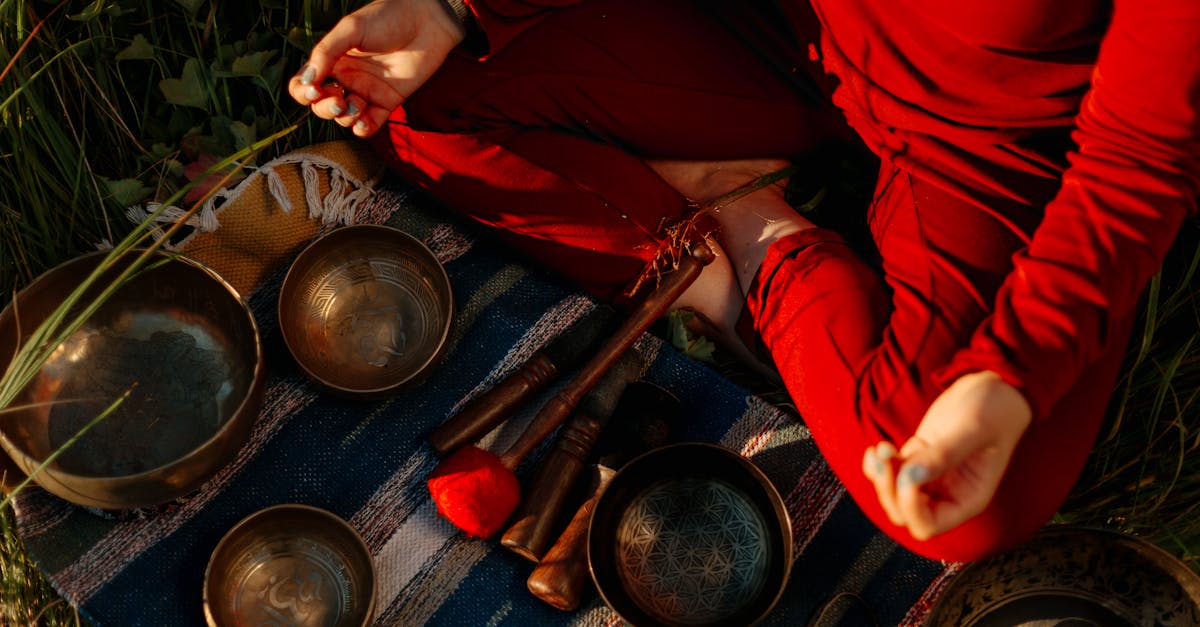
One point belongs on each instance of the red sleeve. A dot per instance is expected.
(499, 21)
(1133, 180)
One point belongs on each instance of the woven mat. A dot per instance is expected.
(367, 461)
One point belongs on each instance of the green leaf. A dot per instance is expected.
(188, 90)
(90, 13)
(252, 64)
(139, 49)
(273, 77)
(126, 192)
(191, 6)
(297, 37)
(695, 346)
(243, 135)
(160, 150)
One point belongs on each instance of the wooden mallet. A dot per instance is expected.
(647, 417)
(476, 490)
(562, 354)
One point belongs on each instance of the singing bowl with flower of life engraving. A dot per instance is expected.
(690, 534)
(290, 564)
(177, 337)
(366, 310)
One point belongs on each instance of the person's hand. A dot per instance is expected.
(376, 57)
(949, 470)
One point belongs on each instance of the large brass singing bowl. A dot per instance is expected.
(186, 344)
(690, 534)
(366, 310)
(1072, 576)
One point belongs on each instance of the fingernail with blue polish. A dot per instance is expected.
(877, 466)
(335, 109)
(353, 110)
(915, 474)
(312, 93)
(307, 75)
(360, 125)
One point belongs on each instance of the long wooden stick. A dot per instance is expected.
(556, 410)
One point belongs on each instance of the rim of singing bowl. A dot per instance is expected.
(333, 248)
(167, 481)
(688, 462)
(307, 524)
(1072, 575)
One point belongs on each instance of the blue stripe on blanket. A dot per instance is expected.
(367, 462)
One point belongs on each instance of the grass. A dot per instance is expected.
(25, 597)
(108, 103)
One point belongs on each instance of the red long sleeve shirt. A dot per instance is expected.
(965, 94)
(952, 89)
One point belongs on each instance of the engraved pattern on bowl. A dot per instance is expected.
(1072, 576)
(692, 550)
(365, 310)
(290, 565)
(188, 346)
(690, 534)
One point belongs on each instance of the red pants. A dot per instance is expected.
(545, 141)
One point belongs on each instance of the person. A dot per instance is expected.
(1036, 163)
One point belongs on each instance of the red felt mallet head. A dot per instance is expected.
(475, 491)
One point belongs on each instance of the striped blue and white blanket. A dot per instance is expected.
(367, 462)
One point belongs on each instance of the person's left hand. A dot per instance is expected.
(950, 469)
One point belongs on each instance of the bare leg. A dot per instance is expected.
(748, 226)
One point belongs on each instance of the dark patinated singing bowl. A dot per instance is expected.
(290, 565)
(690, 534)
(187, 345)
(366, 310)
(1072, 576)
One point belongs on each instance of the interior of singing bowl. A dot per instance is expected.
(185, 346)
(1072, 576)
(290, 565)
(690, 534)
(366, 309)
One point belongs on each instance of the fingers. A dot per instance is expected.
(370, 121)
(331, 101)
(306, 86)
(345, 35)
(878, 466)
(916, 502)
(903, 483)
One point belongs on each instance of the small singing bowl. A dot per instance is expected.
(366, 310)
(179, 339)
(290, 565)
(690, 534)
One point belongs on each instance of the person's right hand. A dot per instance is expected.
(379, 55)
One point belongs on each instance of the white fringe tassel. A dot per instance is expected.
(339, 206)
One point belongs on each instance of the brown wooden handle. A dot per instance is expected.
(491, 408)
(538, 516)
(650, 309)
(561, 576)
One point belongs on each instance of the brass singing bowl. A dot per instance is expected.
(290, 565)
(1072, 576)
(690, 534)
(180, 338)
(366, 310)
